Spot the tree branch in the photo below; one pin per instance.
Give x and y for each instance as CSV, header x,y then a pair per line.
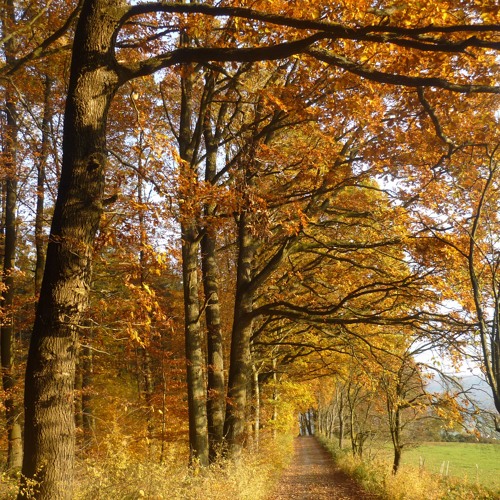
x,y
393,79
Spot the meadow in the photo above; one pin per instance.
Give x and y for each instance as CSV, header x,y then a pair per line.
x,y
473,462
431,470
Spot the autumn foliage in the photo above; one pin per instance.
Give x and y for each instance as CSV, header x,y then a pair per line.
x,y
242,212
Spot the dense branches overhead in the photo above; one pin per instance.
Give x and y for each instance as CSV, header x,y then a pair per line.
x,y
354,39
327,42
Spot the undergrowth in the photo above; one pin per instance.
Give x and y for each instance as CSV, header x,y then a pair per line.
x,y
118,476
121,475
409,483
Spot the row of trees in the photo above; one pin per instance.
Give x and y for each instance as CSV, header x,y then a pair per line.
x,y
381,395
305,179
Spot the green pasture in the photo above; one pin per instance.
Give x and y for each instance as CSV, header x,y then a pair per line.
x,y
469,461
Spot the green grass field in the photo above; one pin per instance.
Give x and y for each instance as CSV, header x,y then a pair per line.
x,y
467,461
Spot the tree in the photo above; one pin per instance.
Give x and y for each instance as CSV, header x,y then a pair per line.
x,y
463,249
96,75
10,146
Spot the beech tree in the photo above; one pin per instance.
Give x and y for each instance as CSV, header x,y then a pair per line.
x,y
10,171
101,64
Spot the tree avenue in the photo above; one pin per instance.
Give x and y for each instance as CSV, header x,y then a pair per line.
x,y
305,152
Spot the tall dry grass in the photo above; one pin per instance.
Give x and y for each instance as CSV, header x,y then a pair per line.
x,y
117,473
121,476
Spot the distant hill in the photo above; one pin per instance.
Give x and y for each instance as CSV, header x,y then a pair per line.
x,y
480,391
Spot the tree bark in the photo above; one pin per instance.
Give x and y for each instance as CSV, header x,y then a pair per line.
x,y
197,397
12,412
239,368
40,242
10,142
274,417
190,234
50,374
256,396
216,402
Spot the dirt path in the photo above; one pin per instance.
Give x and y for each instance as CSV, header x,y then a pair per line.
x,y
313,475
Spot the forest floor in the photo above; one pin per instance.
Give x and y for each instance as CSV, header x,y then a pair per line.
x,y
313,475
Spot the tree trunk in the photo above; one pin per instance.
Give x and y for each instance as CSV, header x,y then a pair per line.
x,y
396,439
12,412
50,374
40,188
195,358
341,430
274,417
256,406
216,402
147,383
239,368
397,459
215,352
79,394
198,432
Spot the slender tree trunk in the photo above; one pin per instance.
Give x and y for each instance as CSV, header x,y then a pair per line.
x,y
148,390
216,402
256,406
40,241
341,418
274,417
164,410
147,382
396,440
239,368
12,411
341,431
195,357
50,374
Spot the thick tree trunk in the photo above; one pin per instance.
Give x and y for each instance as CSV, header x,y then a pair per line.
x,y
50,373
79,394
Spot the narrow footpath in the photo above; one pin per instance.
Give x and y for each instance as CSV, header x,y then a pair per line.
x,y
313,475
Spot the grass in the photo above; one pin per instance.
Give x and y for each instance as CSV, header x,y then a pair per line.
x,y
416,483
471,462
122,475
